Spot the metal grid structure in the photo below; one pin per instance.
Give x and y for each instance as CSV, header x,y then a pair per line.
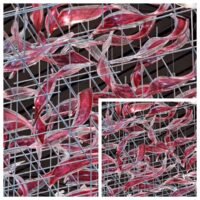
x,y
177,63
113,181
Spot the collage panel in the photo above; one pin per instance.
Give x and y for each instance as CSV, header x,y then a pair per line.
x,y
149,149
59,60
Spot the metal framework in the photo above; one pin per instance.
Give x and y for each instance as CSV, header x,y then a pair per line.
x,y
113,183
24,161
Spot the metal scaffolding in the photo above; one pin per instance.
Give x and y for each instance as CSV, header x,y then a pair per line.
x,y
26,163
115,181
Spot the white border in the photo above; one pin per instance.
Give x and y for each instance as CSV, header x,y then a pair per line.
x,y
101,100
100,146
141,100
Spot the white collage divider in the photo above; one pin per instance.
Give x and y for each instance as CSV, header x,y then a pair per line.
x,y
192,101
196,100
